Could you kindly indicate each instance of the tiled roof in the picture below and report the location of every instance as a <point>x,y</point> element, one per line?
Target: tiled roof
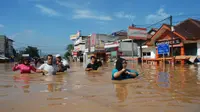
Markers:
<point>189,28</point>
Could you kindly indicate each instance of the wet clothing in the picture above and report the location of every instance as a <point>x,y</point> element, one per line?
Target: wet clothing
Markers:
<point>24,68</point>
<point>123,75</point>
<point>51,69</point>
<point>64,66</point>
<point>94,66</point>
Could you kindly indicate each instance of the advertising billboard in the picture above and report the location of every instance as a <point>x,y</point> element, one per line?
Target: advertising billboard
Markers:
<point>137,33</point>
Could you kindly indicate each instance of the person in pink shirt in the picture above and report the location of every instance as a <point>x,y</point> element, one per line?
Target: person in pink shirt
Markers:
<point>25,67</point>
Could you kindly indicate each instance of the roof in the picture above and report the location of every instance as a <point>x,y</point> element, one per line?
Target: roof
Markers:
<point>189,28</point>
<point>152,29</point>
<point>121,35</point>
<point>4,36</point>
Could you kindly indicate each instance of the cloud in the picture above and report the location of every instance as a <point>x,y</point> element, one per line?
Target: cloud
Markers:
<point>26,33</point>
<point>81,11</point>
<point>181,13</point>
<point>101,22</point>
<point>68,4</point>
<point>1,26</point>
<point>160,14</point>
<point>124,15</point>
<point>47,11</point>
<point>87,14</point>
<point>73,5</point>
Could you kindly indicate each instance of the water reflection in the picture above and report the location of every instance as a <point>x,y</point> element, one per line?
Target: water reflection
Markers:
<point>22,78</point>
<point>121,92</point>
<point>198,72</point>
<point>26,88</point>
<point>163,80</point>
<point>53,87</point>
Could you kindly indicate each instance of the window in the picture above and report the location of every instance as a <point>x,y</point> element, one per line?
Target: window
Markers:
<point>146,53</point>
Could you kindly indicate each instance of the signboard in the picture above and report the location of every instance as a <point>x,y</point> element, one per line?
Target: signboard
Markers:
<point>170,42</point>
<point>137,33</point>
<point>25,55</point>
<point>92,49</point>
<point>114,53</point>
<point>163,48</point>
<point>112,44</point>
<point>74,37</point>
<point>93,40</point>
<point>75,53</point>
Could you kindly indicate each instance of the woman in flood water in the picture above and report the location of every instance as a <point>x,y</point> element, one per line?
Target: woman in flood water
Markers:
<point>121,72</point>
<point>24,66</point>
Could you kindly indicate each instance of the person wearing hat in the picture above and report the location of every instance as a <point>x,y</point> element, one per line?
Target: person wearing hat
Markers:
<point>62,64</point>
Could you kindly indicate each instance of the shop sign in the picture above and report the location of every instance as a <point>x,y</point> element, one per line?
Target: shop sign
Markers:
<point>137,33</point>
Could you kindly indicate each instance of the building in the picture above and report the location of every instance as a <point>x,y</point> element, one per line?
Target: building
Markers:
<point>6,46</point>
<point>184,42</point>
<point>79,47</point>
<point>95,45</point>
<point>121,45</point>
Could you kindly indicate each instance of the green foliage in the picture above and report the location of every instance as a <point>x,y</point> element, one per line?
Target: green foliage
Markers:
<point>69,49</point>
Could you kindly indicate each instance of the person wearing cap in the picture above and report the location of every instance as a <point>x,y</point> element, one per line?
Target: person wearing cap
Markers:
<point>24,66</point>
<point>62,64</point>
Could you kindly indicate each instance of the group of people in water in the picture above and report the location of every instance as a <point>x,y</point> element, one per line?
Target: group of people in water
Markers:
<point>49,68</point>
<point>120,72</point>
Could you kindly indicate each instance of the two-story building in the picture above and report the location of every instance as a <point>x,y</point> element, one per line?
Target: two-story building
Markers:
<point>6,47</point>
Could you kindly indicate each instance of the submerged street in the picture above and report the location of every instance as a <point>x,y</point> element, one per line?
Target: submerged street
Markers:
<point>157,89</point>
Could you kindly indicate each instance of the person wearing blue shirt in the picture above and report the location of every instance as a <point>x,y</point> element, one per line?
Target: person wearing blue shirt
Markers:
<point>121,72</point>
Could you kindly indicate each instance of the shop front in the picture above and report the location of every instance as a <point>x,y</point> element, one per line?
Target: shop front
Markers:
<point>183,42</point>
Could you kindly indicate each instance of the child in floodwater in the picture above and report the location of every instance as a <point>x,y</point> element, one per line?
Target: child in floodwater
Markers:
<point>121,72</point>
<point>24,66</point>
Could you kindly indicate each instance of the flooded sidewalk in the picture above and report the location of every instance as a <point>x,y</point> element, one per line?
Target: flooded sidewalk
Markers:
<point>157,89</point>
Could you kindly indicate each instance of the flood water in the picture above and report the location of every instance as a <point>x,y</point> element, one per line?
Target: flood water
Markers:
<point>157,89</point>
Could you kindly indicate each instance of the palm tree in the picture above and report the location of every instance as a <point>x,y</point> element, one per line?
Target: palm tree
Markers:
<point>69,49</point>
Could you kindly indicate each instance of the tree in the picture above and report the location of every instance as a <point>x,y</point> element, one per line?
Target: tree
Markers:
<point>69,49</point>
<point>67,55</point>
<point>14,52</point>
<point>32,51</point>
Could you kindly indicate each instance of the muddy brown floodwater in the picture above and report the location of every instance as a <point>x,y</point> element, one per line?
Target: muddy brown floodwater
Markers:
<point>157,89</point>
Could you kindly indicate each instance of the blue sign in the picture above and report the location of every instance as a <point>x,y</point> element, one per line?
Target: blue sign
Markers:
<point>163,48</point>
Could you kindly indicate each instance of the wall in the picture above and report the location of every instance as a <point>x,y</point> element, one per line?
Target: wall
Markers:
<point>2,46</point>
<point>152,50</point>
<point>80,47</point>
<point>198,49</point>
<point>126,48</point>
<point>10,48</point>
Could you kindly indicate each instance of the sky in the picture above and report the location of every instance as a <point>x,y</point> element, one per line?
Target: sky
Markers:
<point>48,24</point>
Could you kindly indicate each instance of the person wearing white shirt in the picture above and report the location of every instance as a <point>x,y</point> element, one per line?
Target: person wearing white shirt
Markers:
<point>48,67</point>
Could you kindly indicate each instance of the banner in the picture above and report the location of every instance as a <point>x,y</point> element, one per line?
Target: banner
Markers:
<point>93,40</point>
<point>137,33</point>
<point>73,37</point>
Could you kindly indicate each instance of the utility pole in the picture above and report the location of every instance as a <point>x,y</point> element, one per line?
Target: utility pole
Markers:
<point>172,39</point>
